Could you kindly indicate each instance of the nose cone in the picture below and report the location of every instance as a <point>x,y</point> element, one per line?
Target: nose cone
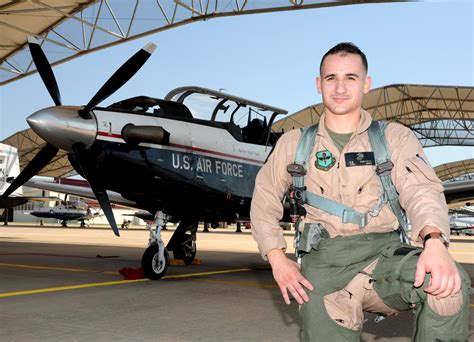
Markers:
<point>62,127</point>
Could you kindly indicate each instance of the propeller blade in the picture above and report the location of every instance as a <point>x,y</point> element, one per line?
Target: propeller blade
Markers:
<point>99,190</point>
<point>44,69</point>
<point>42,159</point>
<point>119,78</point>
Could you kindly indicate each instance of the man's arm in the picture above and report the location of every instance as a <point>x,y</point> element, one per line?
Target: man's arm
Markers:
<point>266,211</point>
<point>421,195</point>
<point>435,259</point>
<point>288,277</point>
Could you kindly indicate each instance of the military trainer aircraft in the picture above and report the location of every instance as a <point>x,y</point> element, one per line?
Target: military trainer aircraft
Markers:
<point>192,156</point>
<point>68,211</point>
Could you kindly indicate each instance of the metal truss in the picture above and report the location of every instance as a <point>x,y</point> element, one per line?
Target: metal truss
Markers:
<point>456,171</point>
<point>439,115</point>
<point>68,29</point>
<point>29,144</point>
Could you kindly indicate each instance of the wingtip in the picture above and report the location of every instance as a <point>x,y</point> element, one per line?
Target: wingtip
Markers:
<point>150,48</point>
<point>32,39</point>
<point>116,231</point>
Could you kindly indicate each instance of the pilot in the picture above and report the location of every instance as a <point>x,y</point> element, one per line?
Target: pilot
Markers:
<point>349,266</point>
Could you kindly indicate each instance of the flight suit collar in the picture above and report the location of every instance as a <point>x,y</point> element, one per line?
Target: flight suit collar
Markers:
<point>364,123</point>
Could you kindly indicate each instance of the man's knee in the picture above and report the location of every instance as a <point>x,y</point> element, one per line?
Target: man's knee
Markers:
<point>453,304</point>
<point>323,320</point>
<point>344,309</point>
<point>447,306</point>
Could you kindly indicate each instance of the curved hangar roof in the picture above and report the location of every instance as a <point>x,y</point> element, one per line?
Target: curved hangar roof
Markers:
<point>69,28</point>
<point>459,170</point>
<point>29,144</point>
<point>439,115</point>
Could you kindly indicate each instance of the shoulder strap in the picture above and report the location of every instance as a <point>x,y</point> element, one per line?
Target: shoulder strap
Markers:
<point>303,151</point>
<point>384,166</point>
<point>301,160</point>
<point>305,144</point>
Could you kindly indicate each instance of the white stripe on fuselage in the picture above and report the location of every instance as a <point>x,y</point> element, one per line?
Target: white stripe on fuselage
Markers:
<point>184,137</point>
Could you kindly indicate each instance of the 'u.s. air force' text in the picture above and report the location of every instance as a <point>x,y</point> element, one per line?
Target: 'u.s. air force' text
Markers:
<point>226,168</point>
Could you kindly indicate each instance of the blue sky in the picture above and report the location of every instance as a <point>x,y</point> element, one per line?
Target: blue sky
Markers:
<point>273,58</point>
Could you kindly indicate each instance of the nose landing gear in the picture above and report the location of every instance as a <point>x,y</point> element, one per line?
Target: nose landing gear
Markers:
<point>155,260</point>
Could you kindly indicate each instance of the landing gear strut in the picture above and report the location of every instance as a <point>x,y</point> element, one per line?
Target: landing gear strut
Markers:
<point>183,244</point>
<point>155,259</point>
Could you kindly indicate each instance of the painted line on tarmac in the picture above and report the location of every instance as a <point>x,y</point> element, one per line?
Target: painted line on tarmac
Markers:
<point>71,287</point>
<point>240,283</point>
<point>199,274</point>
<point>56,268</point>
<point>118,282</point>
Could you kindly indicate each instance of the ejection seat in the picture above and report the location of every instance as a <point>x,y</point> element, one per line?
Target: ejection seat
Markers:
<point>254,132</point>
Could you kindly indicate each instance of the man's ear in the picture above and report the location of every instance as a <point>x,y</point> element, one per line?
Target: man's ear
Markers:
<point>318,84</point>
<point>367,84</point>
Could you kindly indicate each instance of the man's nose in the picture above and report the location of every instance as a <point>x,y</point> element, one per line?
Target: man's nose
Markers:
<point>340,86</point>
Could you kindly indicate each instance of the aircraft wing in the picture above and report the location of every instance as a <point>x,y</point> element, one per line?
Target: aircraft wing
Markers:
<point>144,215</point>
<point>79,191</point>
<point>459,193</point>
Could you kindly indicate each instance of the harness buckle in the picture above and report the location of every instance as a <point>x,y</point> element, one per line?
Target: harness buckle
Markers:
<point>296,200</point>
<point>384,169</point>
<point>296,170</point>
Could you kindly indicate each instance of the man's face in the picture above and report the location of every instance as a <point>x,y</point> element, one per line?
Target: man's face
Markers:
<point>342,83</point>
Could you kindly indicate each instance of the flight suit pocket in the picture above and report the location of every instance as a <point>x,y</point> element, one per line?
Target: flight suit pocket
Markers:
<point>423,172</point>
<point>312,235</point>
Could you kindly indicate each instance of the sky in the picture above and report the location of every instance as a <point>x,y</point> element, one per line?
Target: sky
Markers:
<point>274,58</point>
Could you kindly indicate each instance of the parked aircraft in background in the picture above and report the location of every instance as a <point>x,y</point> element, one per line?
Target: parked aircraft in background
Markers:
<point>461,220</point>
<point>68,211</point>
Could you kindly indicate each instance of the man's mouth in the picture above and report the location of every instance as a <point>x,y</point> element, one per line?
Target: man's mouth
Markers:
<point>340,99</point>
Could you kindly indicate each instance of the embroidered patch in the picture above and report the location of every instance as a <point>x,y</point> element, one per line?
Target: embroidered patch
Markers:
<point>324,160</point>
<point>359,158</point>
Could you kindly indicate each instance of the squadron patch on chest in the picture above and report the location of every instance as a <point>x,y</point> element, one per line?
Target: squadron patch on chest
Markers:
<point>359,158</point>
<point>324,160</point>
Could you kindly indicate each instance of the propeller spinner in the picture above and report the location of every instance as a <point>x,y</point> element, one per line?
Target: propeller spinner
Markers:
<point>58,125</point>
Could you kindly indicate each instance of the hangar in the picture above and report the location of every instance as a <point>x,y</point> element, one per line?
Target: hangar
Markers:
<point>44,306</point>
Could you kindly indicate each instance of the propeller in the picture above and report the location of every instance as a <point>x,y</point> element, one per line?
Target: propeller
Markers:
<point>41,159</point>
<point>80,152</point>
<point>82,157</point>
<point>44,69</point>
<point>47,153</point>
<point>119,78</point>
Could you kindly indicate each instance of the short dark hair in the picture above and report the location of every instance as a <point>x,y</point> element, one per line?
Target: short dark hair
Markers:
<point>346,47</point>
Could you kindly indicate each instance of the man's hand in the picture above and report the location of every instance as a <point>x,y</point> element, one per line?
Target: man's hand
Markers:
<point>445,278</point>
<point>288,276</point>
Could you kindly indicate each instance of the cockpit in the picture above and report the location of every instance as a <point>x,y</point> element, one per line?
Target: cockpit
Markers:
<point>246,120</point>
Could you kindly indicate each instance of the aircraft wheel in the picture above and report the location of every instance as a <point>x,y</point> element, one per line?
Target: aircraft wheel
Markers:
<point>185,250</point>
<point>152,268</point>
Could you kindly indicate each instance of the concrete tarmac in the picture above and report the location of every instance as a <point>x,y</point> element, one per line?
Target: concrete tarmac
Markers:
<point>62,284</point>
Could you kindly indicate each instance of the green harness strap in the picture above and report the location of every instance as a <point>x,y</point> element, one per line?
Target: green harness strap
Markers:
<point>384,167</point>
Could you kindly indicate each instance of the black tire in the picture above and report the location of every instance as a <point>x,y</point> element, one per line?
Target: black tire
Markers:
<point>185,250</point>
<point>149,263</point>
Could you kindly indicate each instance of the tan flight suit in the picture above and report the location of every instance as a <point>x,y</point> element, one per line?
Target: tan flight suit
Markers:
<point>358,187</point>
